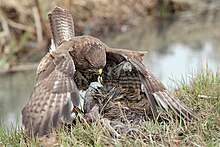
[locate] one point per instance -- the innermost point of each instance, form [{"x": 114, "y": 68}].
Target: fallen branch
[{"x": 7, "y": 69}]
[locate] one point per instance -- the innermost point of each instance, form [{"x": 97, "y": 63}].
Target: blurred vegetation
[
  {"x": 200, "y": 92},
  {"x": 24, "y": 29},
  {"x": 25, "y": 36}
]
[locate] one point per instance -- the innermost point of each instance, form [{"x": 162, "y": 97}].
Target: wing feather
[
  {"x": 62, "y": 25},
  {"x": 154, "y": 90},
  {"x": 52, "y": 97},
  {"x": 160, "y": 94},
  {"x": 45, "y": 67}
]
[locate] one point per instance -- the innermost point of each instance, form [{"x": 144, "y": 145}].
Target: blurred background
[{"x": 181, "y": 38}]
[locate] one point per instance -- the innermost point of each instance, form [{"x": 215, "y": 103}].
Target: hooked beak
[
  {"x": 100, "y": 76},
  {"x": 100, "y": 71}
]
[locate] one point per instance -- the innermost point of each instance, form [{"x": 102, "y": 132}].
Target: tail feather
[{"x": 62, "y": 25}]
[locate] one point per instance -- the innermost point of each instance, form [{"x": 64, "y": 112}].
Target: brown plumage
[
  {"x": 88, "y": 52},
  {"x": 89, "y": 56},
  {"x": 55, "y": 93},
  {"x": 72, "y": 63},
  {"x": 139, "y": 90},
  {"x": 62, "y": 26},
  {"x": 69, "y": 59},
  {"x": 122, "y": 68}
]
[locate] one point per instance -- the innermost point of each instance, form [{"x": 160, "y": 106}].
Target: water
[
  {"x": 182, "y": 61},
  {"x": 15, "y": 89},
  {"x": 175, "y": 49}
]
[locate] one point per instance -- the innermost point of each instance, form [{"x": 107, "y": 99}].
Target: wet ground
[{"x": 176, "y": 48}]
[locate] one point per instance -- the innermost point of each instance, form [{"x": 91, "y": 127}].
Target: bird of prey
[
  {"x": 131, "y": 93},
  {"x": 88, "y": 52},
  {"x": 75, "y": 61},
  {"x": 69, "y": 66},
  {"x": 54, "y": 95}
]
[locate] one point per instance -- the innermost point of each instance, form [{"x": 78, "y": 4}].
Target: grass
[{"x": 202, "y": 93}]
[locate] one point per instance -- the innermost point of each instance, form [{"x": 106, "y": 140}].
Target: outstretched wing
[
  {"x": 154, "y": 90},
  {"x": 62, "y": 25},
  {"x": 54, "y": 94}
]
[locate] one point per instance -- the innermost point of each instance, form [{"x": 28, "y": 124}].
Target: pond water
[
  {"x": 15, "y": 89},
  {"x": 176, "y": 48}
]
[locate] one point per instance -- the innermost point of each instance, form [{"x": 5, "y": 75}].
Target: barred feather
[
  {"x": 54, "y": 94},
  {"x": 62, "y": 25},
  {"x": 132, "y": 83}
]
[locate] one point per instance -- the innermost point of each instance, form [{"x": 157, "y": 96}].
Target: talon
[{"x": 75, "y": 110}]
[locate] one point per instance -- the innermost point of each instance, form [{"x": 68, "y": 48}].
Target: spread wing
[
  {"x": 54, "y": 94},
  {"x": 62, "y": 25},
  {"x": 153, "y": 89}
]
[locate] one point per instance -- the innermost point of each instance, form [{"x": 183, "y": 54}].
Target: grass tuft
[{"x": 200, "y": 92}]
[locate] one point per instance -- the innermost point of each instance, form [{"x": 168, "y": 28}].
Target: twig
[
  {"x": 47, "y": 33},
  {"x": 7, "y": 69},
  {"x": 5, "y": 28},
  {"x": 38, "y": 25},
  {"x": 21, "y": 26},
  {"x": 110, "y": 97},
  {"x": 205, "y": 96}
]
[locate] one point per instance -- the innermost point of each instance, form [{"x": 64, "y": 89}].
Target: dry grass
[{"x": 202, "y": 94}]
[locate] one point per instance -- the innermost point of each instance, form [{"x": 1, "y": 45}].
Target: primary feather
[
  {"x": 54, "y": 94},
  {"x": 153, "y": 89}
]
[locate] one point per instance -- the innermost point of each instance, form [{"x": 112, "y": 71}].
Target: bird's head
[{"x": 96, "y": 59}]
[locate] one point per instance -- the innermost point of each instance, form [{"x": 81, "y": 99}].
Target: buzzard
[
  {"x": 69, "y": 66},
  {"x": 130, "y": 92},
  {"x": 73, "y": 62}
]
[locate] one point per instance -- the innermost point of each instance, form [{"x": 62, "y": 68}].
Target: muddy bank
[{"x": 25, "y": 33}]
